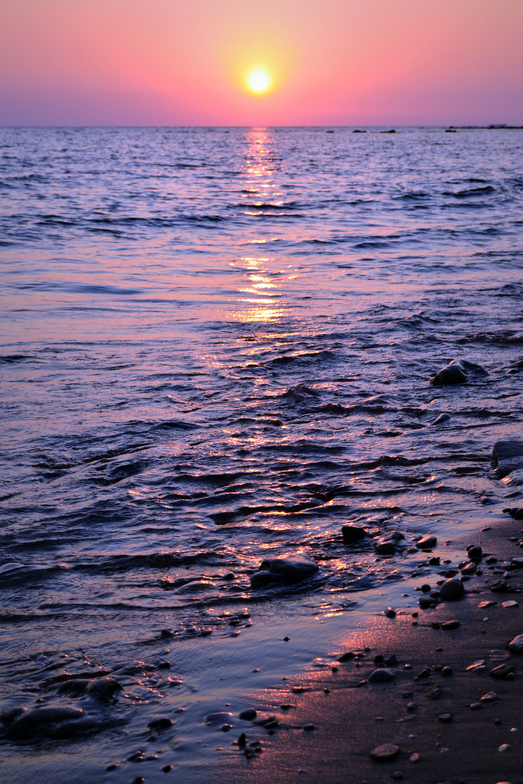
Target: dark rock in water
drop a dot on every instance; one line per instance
(385, 752)
(352, 534)
(426, 602)
(162, 723)
(469, 568)
(283, 571)
(50, 723)
(452, 590)
(507, 456)
(516, 645)
(515, 512)
(386, 545)
(8, 716)
(248, 715)
(441, 419)
(381, 676)
(426, 543)
(452, 374)
(390, 612)
(299, 393)
(220, 717)
(346, 656)
(104, 689)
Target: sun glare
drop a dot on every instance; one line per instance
(258, 81)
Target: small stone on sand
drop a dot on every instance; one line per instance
(385, 752)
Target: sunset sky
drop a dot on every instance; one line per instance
(328, 62)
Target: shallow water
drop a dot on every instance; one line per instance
(216, 347)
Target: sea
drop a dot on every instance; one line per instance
(216, 347)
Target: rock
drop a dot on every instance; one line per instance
(490, 696)
(511, 603)
(162, 723)
(220, 717)
(449, 626)
(104, 689)
(284, 571)
(352, 534)
(8, 716)
(452, 590)
(308, 727)
(469, 568)
(452, 374)
(385, 752)
(441, 419)
(447, 672)
(49, 723)
(499, 586)
(445, 718)
(426, 543)
(386, 545)
(390, 612)
(507, 456)
(475, 552)
(435, 693)
(381, 676)
(248, 715)
(502, 671)
(346, 656)
(516, 645)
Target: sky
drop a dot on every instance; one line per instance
(329, 62)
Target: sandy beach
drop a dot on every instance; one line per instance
(449, 716)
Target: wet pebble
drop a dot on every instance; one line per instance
(490, 696)
(352, 534)
(162, 723)
(445, 718)
(248, 715)
(516, 645)
(451, 590)
(448, 626)
(426, 542)
(381, 676)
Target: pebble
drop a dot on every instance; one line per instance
(283, 571)
(445, 718)
(516, 645)
(451, 590)
(162, 723)
(490, 696)
(138, 780)
(426, 543)
(411, 706)
(248, 715)
(390, 612)
(446, 671)
(381, 676)
(475, 706)
(504, 747)
(414, 757)
(167, 768)
(385, 752)
(346, 656)
(308, 727)
(450, 625)
(510, 604)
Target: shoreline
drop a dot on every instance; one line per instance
(350, 719)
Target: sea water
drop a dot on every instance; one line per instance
(216, 347)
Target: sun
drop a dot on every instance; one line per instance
(259, 81)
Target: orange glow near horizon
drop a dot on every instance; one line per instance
(338, 62)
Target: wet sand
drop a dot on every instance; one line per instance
(478, 745)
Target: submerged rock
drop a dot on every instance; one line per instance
(54, 722)
(452, 374)
(386, 545)
(283, 571)
(104, 689)
(507, 456)
(352, 534)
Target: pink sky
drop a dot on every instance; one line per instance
(332, 62)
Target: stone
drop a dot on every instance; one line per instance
(426, 543)
(511, 603)
(502, 671)
(220, 717)
(441, 419)
(308, 727)
(452, 374)
(445, 718)
(435, 693)
(285, 571)
(386, 545)
(490, 696)
(385, 752)
(248, 715)
(161, 723)
(507, 456)
(475, 552)
(352, 534)
(452, 590)
(52, 722)
(104, 689)
(449, 626)
(346, 656)
(516, 645)
(381, 676)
